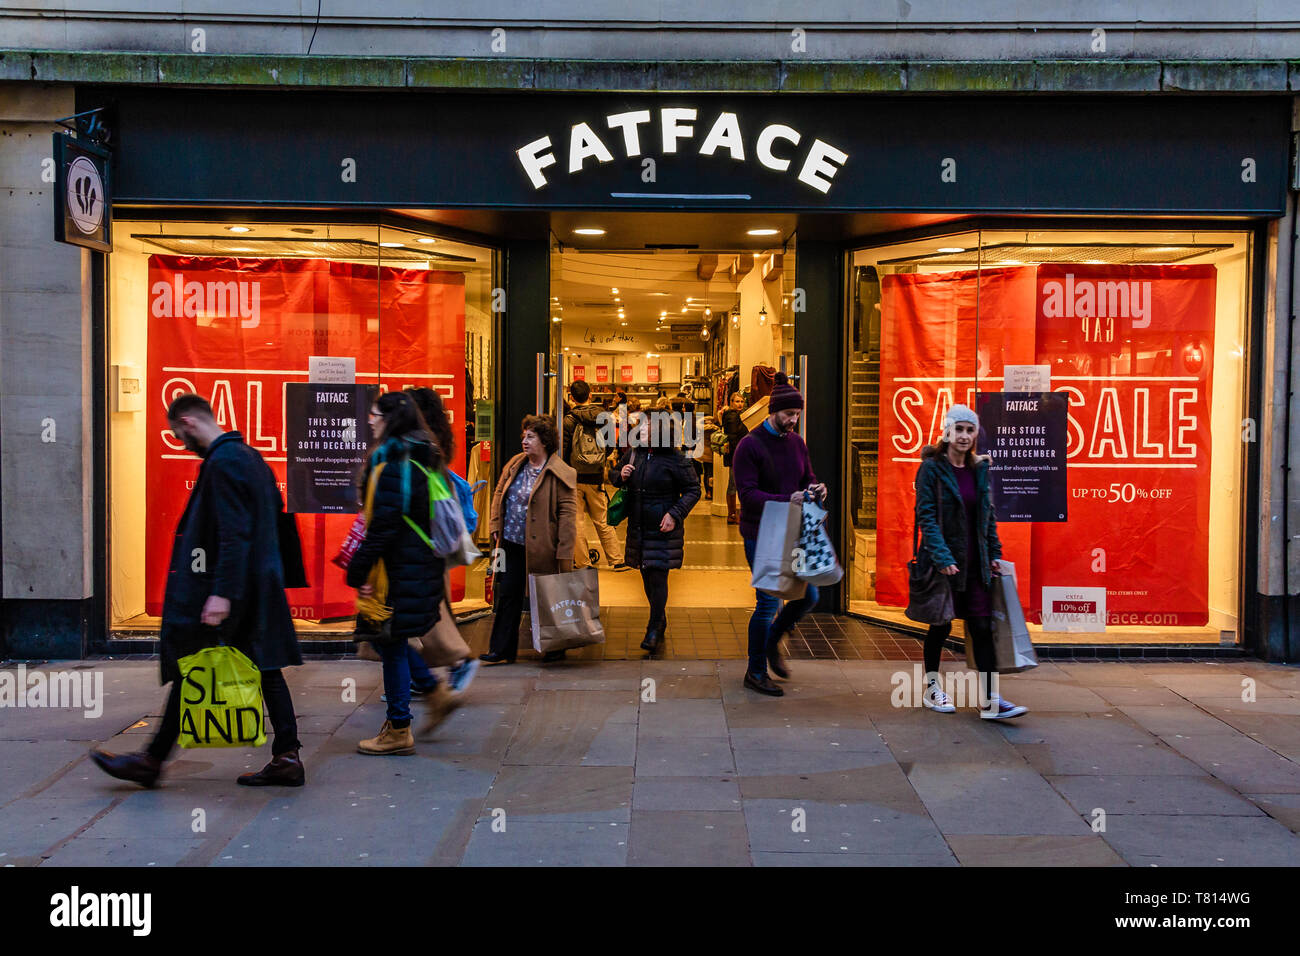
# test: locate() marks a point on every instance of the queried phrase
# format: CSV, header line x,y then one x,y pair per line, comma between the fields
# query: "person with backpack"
x,y
423,680
403,461
586,454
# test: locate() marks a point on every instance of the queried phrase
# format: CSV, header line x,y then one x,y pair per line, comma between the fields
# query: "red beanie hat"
x,y
784,395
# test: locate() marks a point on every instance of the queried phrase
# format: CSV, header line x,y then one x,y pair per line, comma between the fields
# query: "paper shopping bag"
x,y
1013,651
565,610
442,645
778,536
221,699
815,561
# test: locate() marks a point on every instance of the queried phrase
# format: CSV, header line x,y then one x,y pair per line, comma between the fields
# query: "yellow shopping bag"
x,y
221,700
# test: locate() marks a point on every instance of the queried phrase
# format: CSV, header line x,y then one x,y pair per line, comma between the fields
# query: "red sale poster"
x,y
237,330
1132,346
652,373
579,373
625,373
602,373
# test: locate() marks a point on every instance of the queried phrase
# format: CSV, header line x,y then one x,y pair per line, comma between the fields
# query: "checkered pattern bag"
x,y
818,564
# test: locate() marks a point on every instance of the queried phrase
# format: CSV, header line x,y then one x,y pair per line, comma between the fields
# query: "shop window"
x,y
236,313
1145,333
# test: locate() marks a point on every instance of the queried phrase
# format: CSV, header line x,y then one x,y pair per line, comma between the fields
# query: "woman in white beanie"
x,y
954,511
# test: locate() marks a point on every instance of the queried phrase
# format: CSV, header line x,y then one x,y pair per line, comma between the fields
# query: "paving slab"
x,y
805,735
560,727
1040,850
683,687
768,858
561,794
684,757
683,718
1151,839
978,798
1168,795
859,827
687,838
1184,718
546,843
137,851
1072,744
1239,762
686,793
30,826
1282,807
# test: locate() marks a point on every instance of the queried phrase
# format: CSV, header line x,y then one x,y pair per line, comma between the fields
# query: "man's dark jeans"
x,y
279,707
765,633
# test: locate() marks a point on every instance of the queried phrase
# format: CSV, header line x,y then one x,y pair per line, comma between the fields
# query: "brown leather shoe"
x,y
137,767
390,740
283,771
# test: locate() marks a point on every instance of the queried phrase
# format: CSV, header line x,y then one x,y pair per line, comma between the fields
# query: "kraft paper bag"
x,y
442,645
1013,650
778,536
565,610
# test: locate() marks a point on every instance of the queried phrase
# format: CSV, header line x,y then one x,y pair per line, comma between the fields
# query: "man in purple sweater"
x,y
771,464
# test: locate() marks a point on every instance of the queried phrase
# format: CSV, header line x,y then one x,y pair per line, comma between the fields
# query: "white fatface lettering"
x,y
535,157
628,123
672,118
770,135
584,144
725,134
821,164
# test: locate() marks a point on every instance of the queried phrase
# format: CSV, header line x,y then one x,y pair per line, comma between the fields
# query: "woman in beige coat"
x,y
534,524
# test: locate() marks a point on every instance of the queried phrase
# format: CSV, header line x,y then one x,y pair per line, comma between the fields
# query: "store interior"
x,y
651,325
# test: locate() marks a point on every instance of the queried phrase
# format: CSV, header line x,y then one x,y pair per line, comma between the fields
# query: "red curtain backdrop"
x,y
1133,348
236,330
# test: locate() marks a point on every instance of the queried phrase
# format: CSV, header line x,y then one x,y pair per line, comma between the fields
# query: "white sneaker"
x,y
936,699
1004,710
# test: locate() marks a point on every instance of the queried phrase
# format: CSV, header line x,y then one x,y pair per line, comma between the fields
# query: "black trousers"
x,y
508,588
980,630
655,582
279,708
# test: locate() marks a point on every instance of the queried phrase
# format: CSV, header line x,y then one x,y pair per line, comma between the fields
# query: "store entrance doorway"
x,y
673,331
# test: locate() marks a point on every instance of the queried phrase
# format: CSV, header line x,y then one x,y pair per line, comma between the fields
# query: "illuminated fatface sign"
x,y
776,146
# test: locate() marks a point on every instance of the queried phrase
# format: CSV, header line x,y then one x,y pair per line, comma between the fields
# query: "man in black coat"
x,y
225,585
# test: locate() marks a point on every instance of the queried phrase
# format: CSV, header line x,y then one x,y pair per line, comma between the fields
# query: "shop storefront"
x,y
1110,250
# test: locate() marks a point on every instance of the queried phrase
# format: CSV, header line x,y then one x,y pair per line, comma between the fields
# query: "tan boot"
x,y
391,740
440,705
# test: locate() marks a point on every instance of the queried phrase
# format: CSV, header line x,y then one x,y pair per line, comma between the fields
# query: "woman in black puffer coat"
x,y
415,573
662,488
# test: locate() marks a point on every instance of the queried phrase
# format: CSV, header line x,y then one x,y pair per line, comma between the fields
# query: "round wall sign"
x,y
85,198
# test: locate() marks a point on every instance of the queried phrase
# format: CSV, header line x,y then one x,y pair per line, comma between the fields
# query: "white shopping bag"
x,y
815,561
778,536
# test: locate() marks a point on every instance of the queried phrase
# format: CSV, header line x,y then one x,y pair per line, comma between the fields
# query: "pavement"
x,y
675,763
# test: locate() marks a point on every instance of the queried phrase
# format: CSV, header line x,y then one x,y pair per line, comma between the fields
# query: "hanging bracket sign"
x,y
83,201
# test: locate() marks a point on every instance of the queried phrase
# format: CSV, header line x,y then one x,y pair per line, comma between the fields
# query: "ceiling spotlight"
x,y
555,318
951,249
589,231
391,245
683,308
426,240
242,249
761,232
238,228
